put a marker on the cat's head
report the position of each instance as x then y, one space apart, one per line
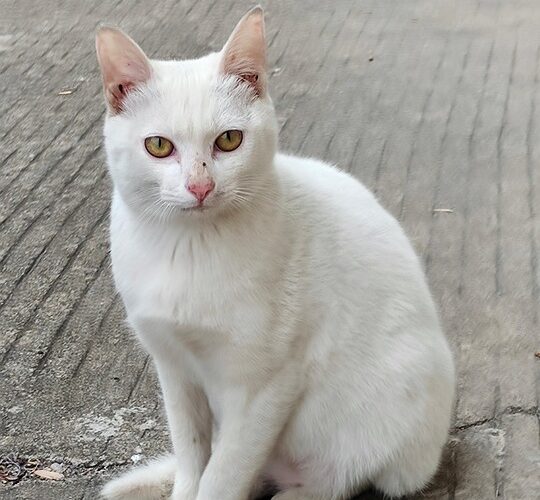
189 138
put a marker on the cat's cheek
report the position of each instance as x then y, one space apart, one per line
170 177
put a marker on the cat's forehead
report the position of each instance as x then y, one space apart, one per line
188 78
192 98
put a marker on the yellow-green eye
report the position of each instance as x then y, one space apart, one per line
229 141
158 146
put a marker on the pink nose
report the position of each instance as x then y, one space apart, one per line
200 189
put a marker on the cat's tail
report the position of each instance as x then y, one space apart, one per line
152 481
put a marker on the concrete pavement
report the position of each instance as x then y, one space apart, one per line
435 105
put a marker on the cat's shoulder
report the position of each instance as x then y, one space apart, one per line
311 175
329 197
302 164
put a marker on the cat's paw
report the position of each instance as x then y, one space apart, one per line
185 488
183 495
297 494
150 482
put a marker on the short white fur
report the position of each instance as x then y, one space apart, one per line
295 338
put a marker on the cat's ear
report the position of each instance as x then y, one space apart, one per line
244 54
124 66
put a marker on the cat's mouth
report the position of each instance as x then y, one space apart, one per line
192 209
195 208
183 207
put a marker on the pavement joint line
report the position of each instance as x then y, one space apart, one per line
498 250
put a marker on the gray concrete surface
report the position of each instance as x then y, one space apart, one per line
433 104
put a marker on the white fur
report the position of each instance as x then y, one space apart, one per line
150 482
290 322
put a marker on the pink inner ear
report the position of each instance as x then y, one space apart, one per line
244 54
250 78
117 93
123 64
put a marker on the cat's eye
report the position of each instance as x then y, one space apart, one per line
158 146
229 141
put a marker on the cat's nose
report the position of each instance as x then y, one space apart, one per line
201 189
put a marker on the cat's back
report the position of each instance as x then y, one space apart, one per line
353 242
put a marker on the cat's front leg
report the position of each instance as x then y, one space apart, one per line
190 426
253 419
186 405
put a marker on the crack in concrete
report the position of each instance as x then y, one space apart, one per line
510 410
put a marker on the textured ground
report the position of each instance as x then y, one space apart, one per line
433 104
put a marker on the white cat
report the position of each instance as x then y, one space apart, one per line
295 339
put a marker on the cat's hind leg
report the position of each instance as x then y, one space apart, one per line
410 472
153 481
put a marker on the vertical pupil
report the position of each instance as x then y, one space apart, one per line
228 136
159 142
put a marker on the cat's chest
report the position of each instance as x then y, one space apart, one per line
205 297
